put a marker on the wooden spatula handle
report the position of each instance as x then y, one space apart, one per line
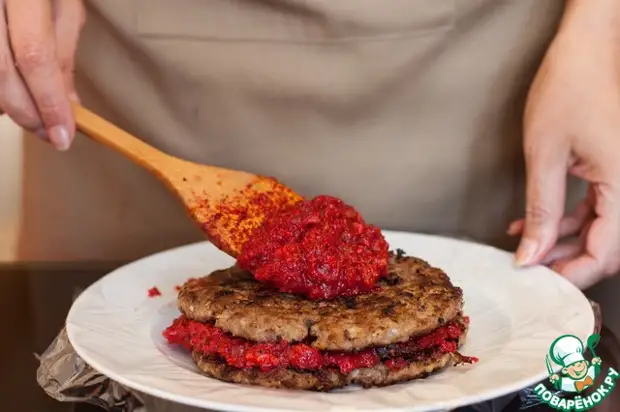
106 133
228 205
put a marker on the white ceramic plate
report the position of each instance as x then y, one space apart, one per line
515 316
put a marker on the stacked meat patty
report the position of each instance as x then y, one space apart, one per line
243 331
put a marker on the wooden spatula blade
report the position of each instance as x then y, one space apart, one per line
227 206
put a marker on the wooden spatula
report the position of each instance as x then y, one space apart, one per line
227 204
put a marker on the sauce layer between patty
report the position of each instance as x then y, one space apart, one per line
240 353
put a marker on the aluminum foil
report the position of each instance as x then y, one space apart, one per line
64 376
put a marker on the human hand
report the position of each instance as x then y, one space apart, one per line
554 378
596 361
572 124
38 40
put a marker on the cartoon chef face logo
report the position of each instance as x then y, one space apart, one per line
577 372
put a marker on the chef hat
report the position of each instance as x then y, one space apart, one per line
567 350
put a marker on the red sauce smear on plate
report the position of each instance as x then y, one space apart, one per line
240 353
320 248
153 292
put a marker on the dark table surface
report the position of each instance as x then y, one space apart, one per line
34 301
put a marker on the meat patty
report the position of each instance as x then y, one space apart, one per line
412 300
325 379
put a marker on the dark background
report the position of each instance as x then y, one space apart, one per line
34 301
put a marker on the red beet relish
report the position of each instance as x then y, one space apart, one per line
320 249
241 353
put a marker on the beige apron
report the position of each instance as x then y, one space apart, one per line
408 109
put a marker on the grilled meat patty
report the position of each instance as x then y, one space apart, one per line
412 300
326 379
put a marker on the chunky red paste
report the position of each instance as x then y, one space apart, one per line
240 353
231 220
320 249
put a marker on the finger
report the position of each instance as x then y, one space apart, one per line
563 252
602 249
69 18
559 263
516 227
574 223
546 163
570 225
15 99
33 41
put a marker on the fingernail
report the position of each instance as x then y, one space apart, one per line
59 137
526 252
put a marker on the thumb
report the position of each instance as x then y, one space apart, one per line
546 167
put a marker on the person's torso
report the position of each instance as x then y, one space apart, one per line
409 110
